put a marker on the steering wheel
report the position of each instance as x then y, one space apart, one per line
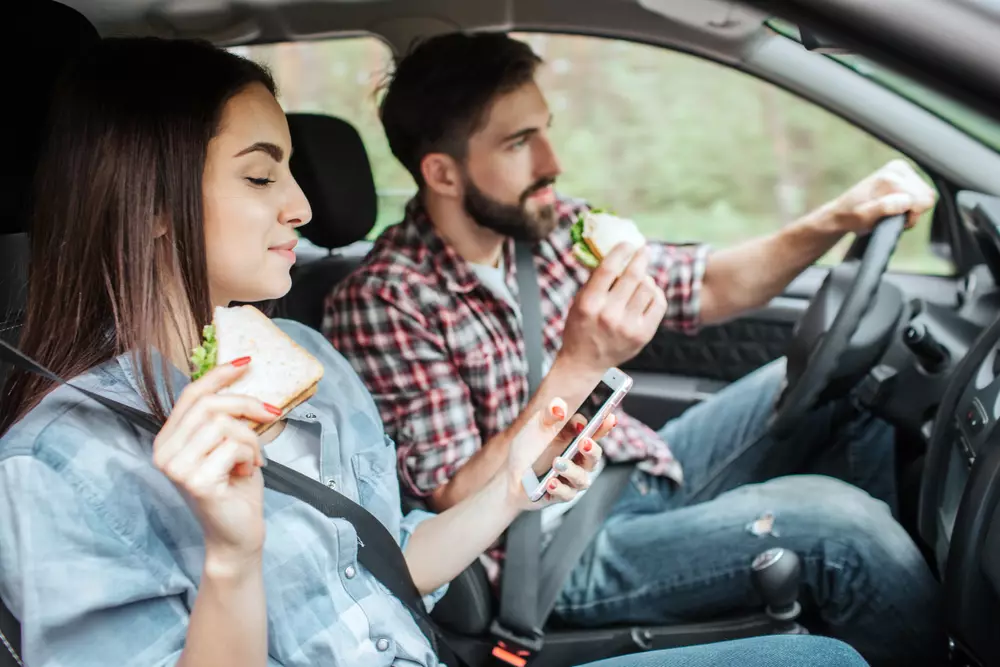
823 334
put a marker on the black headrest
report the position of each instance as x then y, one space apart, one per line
47 36
331 165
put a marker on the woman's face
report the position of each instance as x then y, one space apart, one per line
252 203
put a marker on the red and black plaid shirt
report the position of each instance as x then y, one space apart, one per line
444 357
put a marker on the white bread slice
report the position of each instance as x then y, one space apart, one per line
281 371
603 231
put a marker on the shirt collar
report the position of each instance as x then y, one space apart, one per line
447 263
128 363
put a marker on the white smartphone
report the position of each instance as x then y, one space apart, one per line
602 401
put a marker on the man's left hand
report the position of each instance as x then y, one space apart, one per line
894 189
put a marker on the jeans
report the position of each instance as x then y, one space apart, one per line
672 553
773 651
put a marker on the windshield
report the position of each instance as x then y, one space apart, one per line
968 120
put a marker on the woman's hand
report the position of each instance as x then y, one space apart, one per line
213 458
539 445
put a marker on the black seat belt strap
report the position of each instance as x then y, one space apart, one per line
378 551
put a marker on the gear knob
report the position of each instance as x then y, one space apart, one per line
776 576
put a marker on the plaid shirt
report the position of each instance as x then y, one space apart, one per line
101 556
444 357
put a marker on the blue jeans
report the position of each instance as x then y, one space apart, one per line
774 651
672 553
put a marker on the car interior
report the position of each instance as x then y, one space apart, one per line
923 349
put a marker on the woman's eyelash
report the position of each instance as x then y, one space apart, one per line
260 182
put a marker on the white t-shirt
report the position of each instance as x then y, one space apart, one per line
297 447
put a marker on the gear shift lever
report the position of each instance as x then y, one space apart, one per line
776 576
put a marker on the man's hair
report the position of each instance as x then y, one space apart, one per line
440 93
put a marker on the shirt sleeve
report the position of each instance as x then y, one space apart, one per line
406 529
679 270
403 360
84 596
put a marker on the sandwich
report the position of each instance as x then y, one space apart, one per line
597 232
281 373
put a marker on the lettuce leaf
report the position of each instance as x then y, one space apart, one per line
203 357
583 254
580 248
576 231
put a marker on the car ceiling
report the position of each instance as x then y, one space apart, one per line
716 28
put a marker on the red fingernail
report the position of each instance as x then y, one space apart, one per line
579 428
587 446
558 412
242 361
614 420
273 410
553 485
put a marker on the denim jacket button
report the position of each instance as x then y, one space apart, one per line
350 572
382 644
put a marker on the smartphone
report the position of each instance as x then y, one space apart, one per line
602 401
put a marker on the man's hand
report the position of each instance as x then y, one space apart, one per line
892 190
615 314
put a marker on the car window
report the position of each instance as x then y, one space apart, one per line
696 151
693 150
962 116
341 77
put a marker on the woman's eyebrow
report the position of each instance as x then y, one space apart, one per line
273 150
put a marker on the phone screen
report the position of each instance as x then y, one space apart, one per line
598 397
587 411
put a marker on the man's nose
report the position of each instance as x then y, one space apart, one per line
547 165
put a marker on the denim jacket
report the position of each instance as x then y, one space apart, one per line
100 556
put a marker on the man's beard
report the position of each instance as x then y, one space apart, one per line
511 220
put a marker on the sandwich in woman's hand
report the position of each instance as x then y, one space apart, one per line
281 372
596 233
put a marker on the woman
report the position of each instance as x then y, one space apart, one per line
166 191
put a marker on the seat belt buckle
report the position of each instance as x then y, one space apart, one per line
514 648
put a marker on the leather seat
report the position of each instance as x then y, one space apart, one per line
331 165
47 36
66 33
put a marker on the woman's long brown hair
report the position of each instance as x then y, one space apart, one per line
117 223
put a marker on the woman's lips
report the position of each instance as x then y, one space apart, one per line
286 250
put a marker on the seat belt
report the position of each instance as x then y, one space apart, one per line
10 635
517 627
531 583
378 551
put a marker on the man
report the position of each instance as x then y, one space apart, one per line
431 323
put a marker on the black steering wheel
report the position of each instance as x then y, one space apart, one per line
824 333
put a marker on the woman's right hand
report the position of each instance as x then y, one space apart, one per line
214 459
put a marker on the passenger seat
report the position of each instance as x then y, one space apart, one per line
331 165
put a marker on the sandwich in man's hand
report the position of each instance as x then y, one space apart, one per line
281 372
597 232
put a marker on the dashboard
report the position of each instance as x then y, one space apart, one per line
959 514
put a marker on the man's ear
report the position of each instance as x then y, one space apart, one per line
441 174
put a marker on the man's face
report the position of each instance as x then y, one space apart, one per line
510 168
